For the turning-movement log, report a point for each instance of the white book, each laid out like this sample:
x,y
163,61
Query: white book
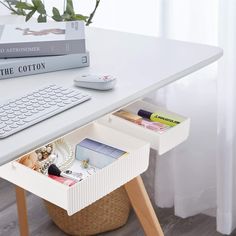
x,y
16,67
42,39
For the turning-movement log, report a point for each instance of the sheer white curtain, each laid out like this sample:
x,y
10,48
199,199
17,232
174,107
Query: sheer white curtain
x,y
226,158
185,177
201,173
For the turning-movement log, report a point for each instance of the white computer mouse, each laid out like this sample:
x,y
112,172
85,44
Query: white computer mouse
x,y
99,82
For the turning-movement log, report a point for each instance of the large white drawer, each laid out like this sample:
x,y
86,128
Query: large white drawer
x,y
83,193
162,142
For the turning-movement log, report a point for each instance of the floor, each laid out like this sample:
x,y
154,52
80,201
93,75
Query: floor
x,y
41,225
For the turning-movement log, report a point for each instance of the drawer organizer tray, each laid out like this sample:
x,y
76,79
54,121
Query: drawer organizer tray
x,y
162,142
84,193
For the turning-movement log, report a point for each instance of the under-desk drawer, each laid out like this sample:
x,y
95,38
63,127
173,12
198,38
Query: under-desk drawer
x,y
161,141
94,187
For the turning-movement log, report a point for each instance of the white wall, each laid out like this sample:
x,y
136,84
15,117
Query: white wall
x,y
137,16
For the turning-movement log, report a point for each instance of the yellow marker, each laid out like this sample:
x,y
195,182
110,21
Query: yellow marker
x,y
155,117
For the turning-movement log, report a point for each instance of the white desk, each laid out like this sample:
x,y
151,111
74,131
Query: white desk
x,y
142,65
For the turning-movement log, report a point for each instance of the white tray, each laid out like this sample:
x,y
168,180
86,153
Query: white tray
x,y
84,193
162,142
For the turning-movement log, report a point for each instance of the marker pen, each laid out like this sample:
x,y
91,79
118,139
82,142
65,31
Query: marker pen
x,y
155,117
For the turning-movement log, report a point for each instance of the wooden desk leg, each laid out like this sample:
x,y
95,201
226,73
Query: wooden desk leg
x,y
22,211
143,207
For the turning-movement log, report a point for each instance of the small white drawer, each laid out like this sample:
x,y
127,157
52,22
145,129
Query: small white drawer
x,y
96,186
162,142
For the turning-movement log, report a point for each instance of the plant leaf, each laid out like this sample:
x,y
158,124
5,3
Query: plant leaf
x,y
66,16
70,7
29,15
39,6
56,14
24,5
42,18
21,12
81,17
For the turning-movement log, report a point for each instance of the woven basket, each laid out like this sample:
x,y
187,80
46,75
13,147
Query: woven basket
x,y
108,213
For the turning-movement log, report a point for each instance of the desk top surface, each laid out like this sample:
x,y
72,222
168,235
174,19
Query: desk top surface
x,y
142,64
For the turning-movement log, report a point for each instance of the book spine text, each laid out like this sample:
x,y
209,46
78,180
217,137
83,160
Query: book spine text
x,y
10,68
47,48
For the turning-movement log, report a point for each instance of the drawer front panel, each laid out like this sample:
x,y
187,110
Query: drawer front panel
x,y
114,176
35,183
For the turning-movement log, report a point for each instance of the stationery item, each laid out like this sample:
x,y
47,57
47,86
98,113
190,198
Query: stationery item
x,y
16,67
159,118
98,82
63,180
44,39
129,116
25,111
54,170
98,154
154,126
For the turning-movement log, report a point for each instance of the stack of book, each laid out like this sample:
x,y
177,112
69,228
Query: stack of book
x,y
28,49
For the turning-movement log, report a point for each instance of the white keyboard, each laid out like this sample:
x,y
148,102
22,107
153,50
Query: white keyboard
x,y
39,105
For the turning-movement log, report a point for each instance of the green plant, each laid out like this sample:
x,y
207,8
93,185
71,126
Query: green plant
x,y
37,6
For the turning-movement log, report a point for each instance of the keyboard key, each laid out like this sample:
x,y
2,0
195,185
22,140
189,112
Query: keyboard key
x,y
6,108
52,103
46,105
2,132
19,102
8,122
42,102
12,104
25,100
15,119
4,118
13,125
17,113
28,113
10,116
41,108
66,102
9,111
2,125
7,128
24,110
16,109
20,122
21,106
